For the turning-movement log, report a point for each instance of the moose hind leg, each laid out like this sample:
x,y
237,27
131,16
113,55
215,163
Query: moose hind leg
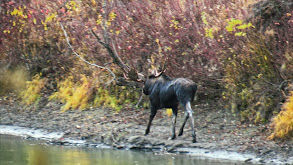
x,y
174,117
189,111
184,122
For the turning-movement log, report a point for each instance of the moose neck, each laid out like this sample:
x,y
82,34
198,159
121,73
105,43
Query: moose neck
x,y
165,77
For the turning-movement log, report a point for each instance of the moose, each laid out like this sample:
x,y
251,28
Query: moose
x,y
166,92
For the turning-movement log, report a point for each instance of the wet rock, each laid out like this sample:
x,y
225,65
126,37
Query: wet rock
x,y
136,142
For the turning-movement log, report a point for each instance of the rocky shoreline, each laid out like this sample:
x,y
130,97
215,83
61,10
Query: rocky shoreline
x,y
219,134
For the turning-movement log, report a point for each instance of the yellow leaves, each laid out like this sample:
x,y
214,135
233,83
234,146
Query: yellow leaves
x,y
45,25
204,18
81,95
196,46
244,26
259,75
112,16
71,5
64,89
209,32
33,90
99,21
168,48
17,12
235,25
283,123
175,24
7,31
94,2
105,98
108,24
51,17
232,24
177,40
20,17
169,112
75,95
88,92
35,21
240,34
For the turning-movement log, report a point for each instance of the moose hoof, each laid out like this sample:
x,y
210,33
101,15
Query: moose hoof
x,y
180,133
146,132
172,138
193,140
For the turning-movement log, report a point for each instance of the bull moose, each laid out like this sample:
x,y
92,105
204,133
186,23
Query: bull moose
x,y
166,92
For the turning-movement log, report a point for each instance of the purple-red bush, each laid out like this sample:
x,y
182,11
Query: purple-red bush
x,y
218,44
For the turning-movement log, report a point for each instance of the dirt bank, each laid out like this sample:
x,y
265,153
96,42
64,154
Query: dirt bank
x,y
219,134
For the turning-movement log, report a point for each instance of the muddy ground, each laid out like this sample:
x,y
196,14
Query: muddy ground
x,y
218,131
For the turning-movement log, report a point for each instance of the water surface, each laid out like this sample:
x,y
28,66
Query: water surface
x,y
18,151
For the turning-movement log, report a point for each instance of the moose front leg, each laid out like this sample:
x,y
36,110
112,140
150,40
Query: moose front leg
x,y
152,115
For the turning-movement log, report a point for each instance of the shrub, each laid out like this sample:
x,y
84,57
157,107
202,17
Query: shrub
x,y
258,66
32,93
207,41
12,80
89,92
282,124
250,78
74,95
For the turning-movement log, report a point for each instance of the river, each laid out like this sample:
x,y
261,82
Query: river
x,y
18,151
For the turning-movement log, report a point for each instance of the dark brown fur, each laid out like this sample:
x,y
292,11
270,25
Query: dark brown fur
x,y
165,92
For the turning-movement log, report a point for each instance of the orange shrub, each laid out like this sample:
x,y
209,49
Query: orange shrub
x,y
283,123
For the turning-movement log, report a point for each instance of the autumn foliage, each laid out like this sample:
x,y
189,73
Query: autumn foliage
x,y
239,52
283,124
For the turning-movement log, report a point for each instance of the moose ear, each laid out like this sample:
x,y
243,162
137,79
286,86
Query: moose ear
x,y
152,76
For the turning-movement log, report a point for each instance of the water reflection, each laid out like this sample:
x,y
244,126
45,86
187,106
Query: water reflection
x,y
17,151
37,155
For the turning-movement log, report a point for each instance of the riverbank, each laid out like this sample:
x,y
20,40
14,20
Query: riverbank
x,y
219,134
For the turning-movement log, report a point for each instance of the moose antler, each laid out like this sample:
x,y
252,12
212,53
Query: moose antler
x,y
155,72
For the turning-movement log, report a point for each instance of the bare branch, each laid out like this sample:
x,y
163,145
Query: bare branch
x,y
140,99
116,59
66,37
282,84
115,52
106,38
